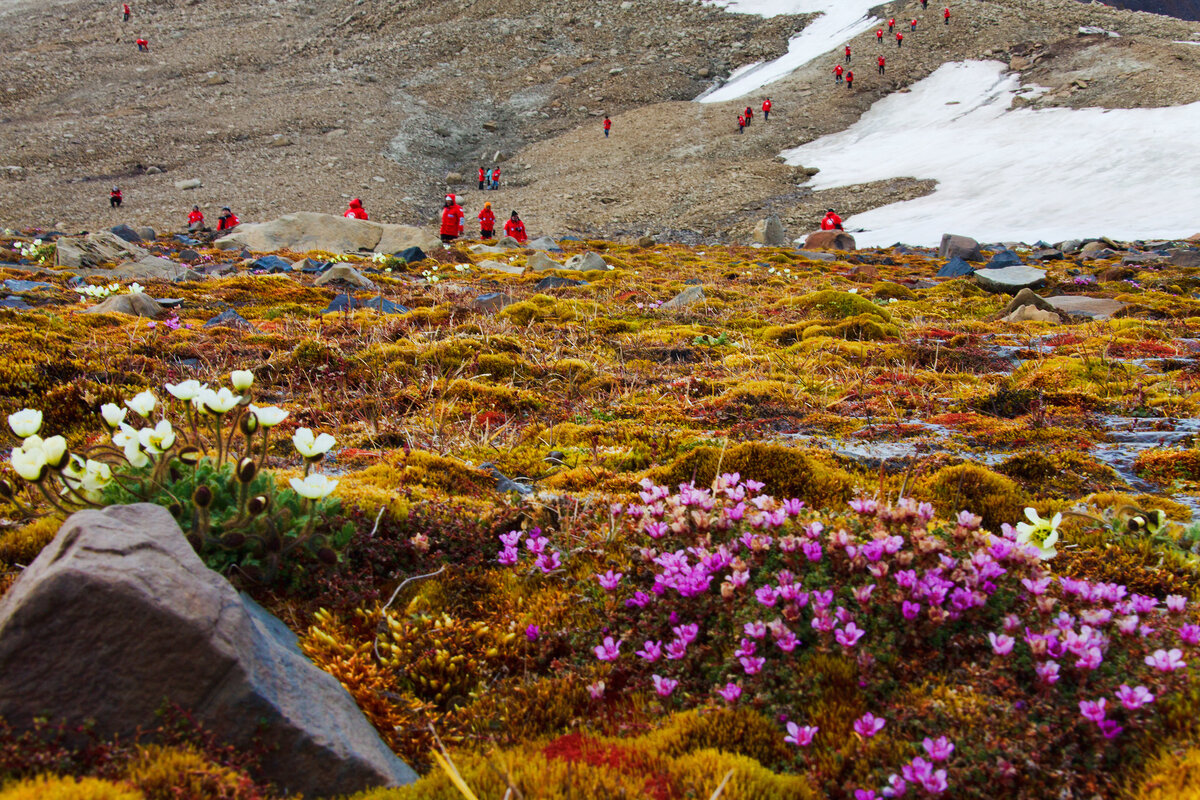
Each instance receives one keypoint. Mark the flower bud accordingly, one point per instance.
(258, 504)
(233, 540)
(176, 509)
(202, 497)
(246, 470)
(6, 489)
(190, 455)
(327, 555)
(248, 424)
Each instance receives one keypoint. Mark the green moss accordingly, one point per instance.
(832, 304)
(786, 471)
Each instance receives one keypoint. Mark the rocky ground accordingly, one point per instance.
(276, 106)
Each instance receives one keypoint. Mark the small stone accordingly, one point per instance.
(492, 302)
(963, 247)
(500, 266)
(190, 183)
(343, 274)
(955, 268)
(136, 304)
(584, 262)
(147, 233)
(689, 296)
(231, 319)
(1026, 297)
(127, 233)
(1005, 258)
(1032, 314)
(557, 282)
(540, 262)
(1010, 280)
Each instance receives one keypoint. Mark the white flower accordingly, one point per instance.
(134, 454)
(54, 449)
(158, 439)
(142, 404)
(268, 416)
(113, 414)
(315, 486)
(26, 422)
(185, 390)
(1039, 533)
(124, 435)
(135, 288)
(242, 379)
(219, 402)
(309, 446)
(96, 476)
(28, 463)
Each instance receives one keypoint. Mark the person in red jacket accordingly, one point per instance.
(487, 222)
(837, 73)
(882, 61)
(356, 210)
(515, 228)
(766, 109)
(912, 26)
(946, 15)
(125, 12)
(451, 220)
(924, 5)
(496, 178)
(891, 24)
(607, 125)
(462, 216)
(482, 176)
(879, 36)
(899, 39)
(196, 220)
(741, 123)
(114, 197)
(749, 112)
(143, 46)
(832, 221)
(850, 79)
(847, 54)
(227, 221)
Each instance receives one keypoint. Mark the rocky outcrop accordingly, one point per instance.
(964, 247)
(583, 262)
(540, 262)
(689, 296)
(95, 249)
(307, 230)
(344, 275)
(135, 304)
(118, 615)
(830, 240)
(770, 232)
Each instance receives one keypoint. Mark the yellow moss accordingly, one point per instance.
(1174, 774)
(574, 368)
(861, 328)
(423, 469)
(786, 471)
(164, 773)
(754, 393)
(832, 304)
(973, 488)
(22, 545)
(54, 788)
(886, 290)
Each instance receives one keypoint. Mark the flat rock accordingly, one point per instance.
(956, 267)
(544, 243)
(963, 247)
(135, 304)
(95, 249)
(344, 274)
(306, 230)
(18, 286)
(148, 268)
(127, 233)
(487, 249)
(689, 296)
(769, 231)
(830, 240)
(16, 303)
(1097, 308)
(492, 302)
(500, 266)
(1032, 314)
(585, 262)
(507, 242)
(1181, 257)
(540, 262)
(816, 255)
(118, 614)
(1026, 297)
(188, 256)
(272, 264)
(1010, 280)
(190, 183)
(557, 282)
(231, 319)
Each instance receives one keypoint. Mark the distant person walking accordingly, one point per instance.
(891, 25)
(196, 220)
(837, 73)
(143, 46)
(125, 12)
(487, 222)
(946, 15)
(749, 116)
(356, 210)
(879, 36)
(850, 79)
(924, 5)
(899, 39)
(227, 221)
(481, 176)
(882, 61)
(741, 122)
(607, 125)
(832, 221)
(515, 228)
(487, 179)
(114, 197)
(451, 220)
(847, 54)
(766, 109)
(496, 178)
(912, 26)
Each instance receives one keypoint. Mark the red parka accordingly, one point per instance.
(487, 220)
(227, 223)
(838, 70)
(832, 222)
(195, 216)
(516, 229)
(356, 210)
(451, 220)
(766, 106)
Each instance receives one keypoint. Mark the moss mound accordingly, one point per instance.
(994, 497)
(786, 471)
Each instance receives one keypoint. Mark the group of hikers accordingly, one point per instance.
(454, 224)
(489, 178)
(747, 116)
(226, 222)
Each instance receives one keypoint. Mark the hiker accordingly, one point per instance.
(227, 221)
(832, 221)
(515, 228)
(946, 15)
(899, 39)
(924, 5)
(496, 178)
(847, 54)
(487, 179)
(850, 79)
(749, 116)
(114, 197)
(879, 36)
(196, 220)
(837, 73)
(487, 222)
(912, 26)
(741, 123)
(481, 177)
(882, 61)
(356, 210)
(451, 220)
(891, 25)
(607, 125)
(462, 225)
(766, 109)
(125, 12)
(143, 46)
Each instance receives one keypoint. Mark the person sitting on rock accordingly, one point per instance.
(356, 210)
(196, 220)
(487, 222)
(515, 228)
(832, 221)
(451, 220)
(227, 221)
(114, 197)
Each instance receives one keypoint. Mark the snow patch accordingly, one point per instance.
(1013, 174)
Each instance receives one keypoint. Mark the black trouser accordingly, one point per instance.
(766, 115)
(487, 234)
(114, 202)
(481, 184)
(448, 237)
(126, 19)
(849, 83)
(881, 69)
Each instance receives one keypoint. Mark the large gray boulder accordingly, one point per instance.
(540, 262)
(118, 615)
(830, 240)
(307, 230)
(1097, 308)
(1010, 280)
(963, 247)
(134, 304)
(770, 232)
(583, 262)
(95, 249)
(149, 268)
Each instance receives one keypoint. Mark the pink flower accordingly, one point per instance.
(610, 579)
(1002, 645)
(536, 544)
(676, 649)
(510, 539)
(1093, 709)
(756, 630)
(532, 633)
(1133, 699)
(664, 686)
(508, 556)
(1110, 728)
(812, 551)
(656, 530)
(865, 794)
(868, 725)
(897, 786)
(730, 692)
(596, 690)
(1047, 672)
(686, 633)
(863, 593)
(792, 506)
(753, 486)
(1189, 634)
(1091, 658)
(1166, 660)
(799, 735)
(766, 595)
(910, 610)
(609, 650)
(848, 637)
(651, 652)
(787, 642)
(864, 505)
(752, 664)
(1176, 603)
(938, 749)
(548, 562)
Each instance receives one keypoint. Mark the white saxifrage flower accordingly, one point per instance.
(314, 487)
(26, 422)
(142, 404)
(268, 416)
(311, 446)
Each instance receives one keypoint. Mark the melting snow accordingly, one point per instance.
(1014, 174)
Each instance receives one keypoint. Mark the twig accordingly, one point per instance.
(721, 787)
(378, 517)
